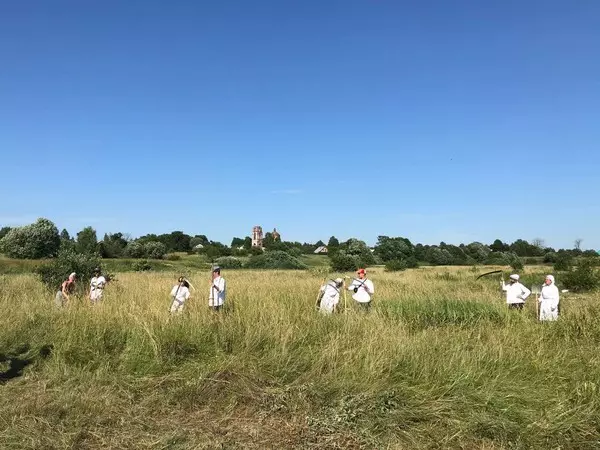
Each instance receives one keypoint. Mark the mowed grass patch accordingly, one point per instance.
(437, 363)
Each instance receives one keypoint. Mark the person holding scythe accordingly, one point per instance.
(180, 293)
(329, 296)
(516, 293)
(218, 288)
(363, 288)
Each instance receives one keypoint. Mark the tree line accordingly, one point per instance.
(43, 240)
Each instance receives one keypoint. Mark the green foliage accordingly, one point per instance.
(134, 249)
(255, 251)
(275, 260)
(360, 250)
(56, 271)
(215, 250)
(155, 250)
(141, 266)
(87, 242)
(564, 262)
(584, 277)
(550, 257)
(343, 262)
(229, 262)
(66, 242)
(395, 265)
(393, 249)
(113, 246)
(499, 246)
(173, 257)
(515, 262)
(477, 251)
(4, 231)
(35, 241)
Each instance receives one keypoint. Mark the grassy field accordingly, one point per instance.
(438, 363)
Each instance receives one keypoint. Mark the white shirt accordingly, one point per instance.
(216, 297)
(515, 293)
(97, 287)
(365, 289)
(550, 295)
(180, 293)
(331, 297)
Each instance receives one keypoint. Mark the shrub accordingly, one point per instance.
(134, 250)
(550, 258)
(563, 262)
(155, 250)
(342, 262)
(531, 261)
(38, 240)
(256, 251)
(172, 257)
(514, 262)
(584, 278)
(275, 260)
(141, 266)
(229, 262)
(395, 265)
(67, 261)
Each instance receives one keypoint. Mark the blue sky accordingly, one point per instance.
(433, 120)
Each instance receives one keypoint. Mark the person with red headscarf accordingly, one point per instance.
(363, 288)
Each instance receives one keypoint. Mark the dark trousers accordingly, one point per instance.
(518, 306)
(216, 308)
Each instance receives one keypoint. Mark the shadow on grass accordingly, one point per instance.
(18, 361)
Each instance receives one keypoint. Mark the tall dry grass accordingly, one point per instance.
(439, 362)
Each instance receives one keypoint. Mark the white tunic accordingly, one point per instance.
(515, 293)
(216, 296)
(364, 292)
(97, 287)
(180, 294)
(331, 297)
(549, 298)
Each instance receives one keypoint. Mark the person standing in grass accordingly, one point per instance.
(329, 296)
(66, 289)
(180, 293)
(363, 288)
(97, 286)
(516, 293)
(218, 290)
(549, 299)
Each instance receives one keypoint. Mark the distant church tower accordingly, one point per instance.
(257, 237)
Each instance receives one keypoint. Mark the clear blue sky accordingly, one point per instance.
(434, 120)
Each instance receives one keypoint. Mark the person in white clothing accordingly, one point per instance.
(97, 286)
(516, 293)
(363, 288)
(180, 293)
(549, 299)
(329, 296)
(218, 290)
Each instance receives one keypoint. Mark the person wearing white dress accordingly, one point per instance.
(549, 299)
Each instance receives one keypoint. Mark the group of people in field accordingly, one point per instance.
(179, 294)
(328, 298)
(548, 300)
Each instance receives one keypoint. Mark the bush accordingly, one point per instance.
(395, 265)
(342, 262)
(141, 266)
(134, 250)
(514, 262)
(67, 261)
(38, 240)
(531, 261)
(172, 257)
(155, 250)
(550, 258)
(256, 251)
(584, 278)
(229, 262)
(563, 263)
(275, 260)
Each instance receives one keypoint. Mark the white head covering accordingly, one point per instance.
(339, 281)
(551, 278)
(514, 276)
(72, 276)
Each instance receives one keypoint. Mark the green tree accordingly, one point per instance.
(499, 246)
(237, 242)
(113, 245)
(38, 240)
(68, 261)
(390, 249)
(4, 231)
(87, 242)
(66, 241)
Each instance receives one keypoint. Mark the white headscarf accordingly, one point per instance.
(551, 278)
(72, 276)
